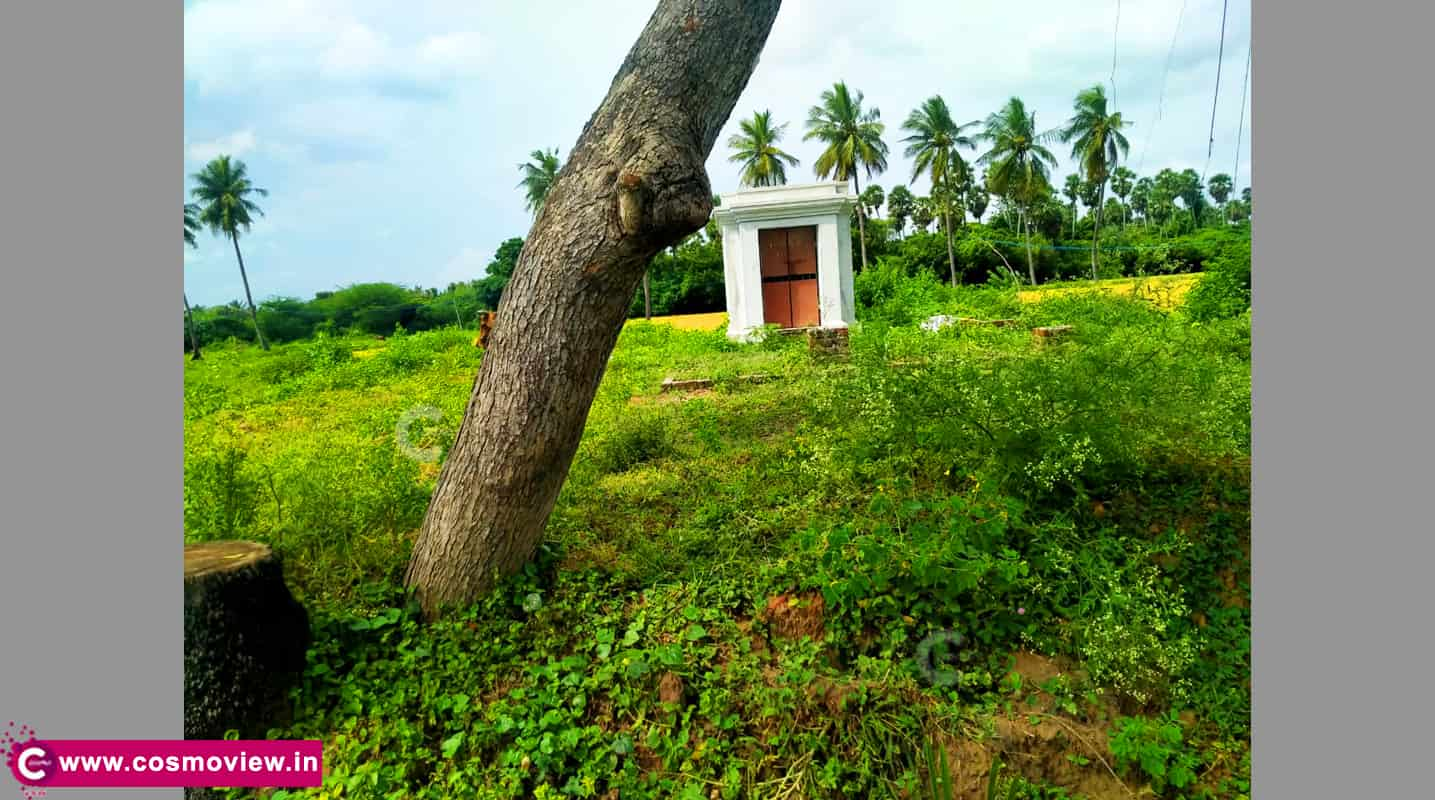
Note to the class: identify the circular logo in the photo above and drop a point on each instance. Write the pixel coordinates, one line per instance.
(425, 455)
(936, 657)
(34, 763)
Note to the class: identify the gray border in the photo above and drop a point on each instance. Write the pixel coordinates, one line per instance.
(1341, 390)
(90, 402)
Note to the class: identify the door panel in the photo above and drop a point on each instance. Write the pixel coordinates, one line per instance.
(777, 304)
(772, 249)
(802, 250)
(789, 276)
(804, 303)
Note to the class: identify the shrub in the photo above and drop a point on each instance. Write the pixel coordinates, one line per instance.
(1157, 748)
(632, 439)
(886, 293)
(220, 493)
(1225, 290)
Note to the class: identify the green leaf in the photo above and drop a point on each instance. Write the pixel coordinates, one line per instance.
(451, 745)
(630, 637)
(695, 632)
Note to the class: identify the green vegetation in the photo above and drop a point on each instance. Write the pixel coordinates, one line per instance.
(1179, 230)
(539, 173)
(225, 206)
(763, 162)
(1077, 511)
(853, 136)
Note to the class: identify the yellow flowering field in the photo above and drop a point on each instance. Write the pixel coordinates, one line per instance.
(1166, 291)
(690, 322)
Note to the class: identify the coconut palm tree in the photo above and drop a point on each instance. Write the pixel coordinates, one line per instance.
(763, 162)
(539, 173)
(1141, 199)
(977, 198)
(1096, 144)
(853, 136)
(900, 205)
(191, 227)
(223, 191)
(1071, 190)
(1122, 181)
(922, 213)
(1220, 188)
(1018, 164)
(932, 145)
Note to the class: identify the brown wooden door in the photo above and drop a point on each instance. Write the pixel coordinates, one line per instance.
(776, 296)
(789, 276)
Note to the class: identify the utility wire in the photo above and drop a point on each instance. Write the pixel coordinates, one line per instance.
(1235, 171)
(1220, 56)
(1115, 37)
(1081, 248)
(1161, 98)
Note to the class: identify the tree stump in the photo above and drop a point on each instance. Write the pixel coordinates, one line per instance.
(245, 640)
(1053, 333)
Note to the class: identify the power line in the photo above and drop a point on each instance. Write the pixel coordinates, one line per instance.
(1220, 57)
(1161, 98)
(1235, 171)
(1115, 38)
(1081, 248)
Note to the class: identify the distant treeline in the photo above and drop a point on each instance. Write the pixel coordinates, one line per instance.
(688, 279)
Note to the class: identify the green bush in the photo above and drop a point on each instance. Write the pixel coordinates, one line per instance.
(221, 493)
(1225, 289)
(887, 293)
(632, 439)
(1156, 748)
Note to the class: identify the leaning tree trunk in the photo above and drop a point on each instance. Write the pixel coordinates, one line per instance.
(1096, 234)
(634, 184)
(861, 219)
(951, 259)
(245, 639)
(253, 314)
(647, 298)
(1026, 231)
(189, 323)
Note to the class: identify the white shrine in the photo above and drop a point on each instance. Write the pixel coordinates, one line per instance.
(787, 257)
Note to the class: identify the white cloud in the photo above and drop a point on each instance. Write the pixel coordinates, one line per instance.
(368, 115)
(233, 45)
(453, 54)
(470, 264)
(235, 144)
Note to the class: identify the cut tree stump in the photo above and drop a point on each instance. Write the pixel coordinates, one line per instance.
(1052, 333)
(245, 640)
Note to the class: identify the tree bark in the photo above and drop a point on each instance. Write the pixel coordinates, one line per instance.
(647, 298)
(245, 640)
(635, 183)
(1096, 234)
(951, 259)
(253, 314)
(861, 218)
(189, 323)
(1026, 230)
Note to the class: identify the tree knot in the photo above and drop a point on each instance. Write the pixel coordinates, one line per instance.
(661, 201)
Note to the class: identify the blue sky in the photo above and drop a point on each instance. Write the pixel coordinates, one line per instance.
(389, 134)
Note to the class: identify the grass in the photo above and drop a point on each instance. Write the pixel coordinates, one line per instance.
(1078, 512)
